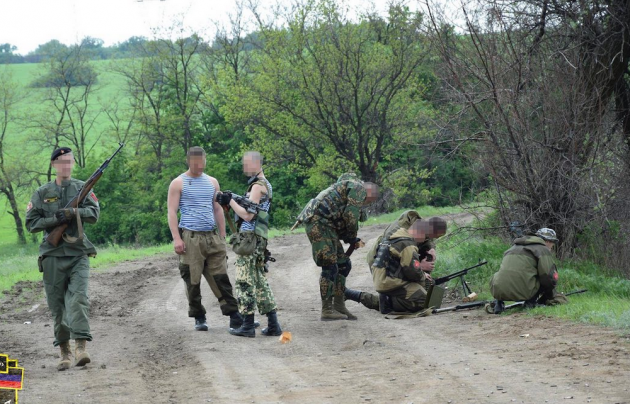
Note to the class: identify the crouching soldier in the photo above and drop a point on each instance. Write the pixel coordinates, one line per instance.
(401, 264)
(528, 272)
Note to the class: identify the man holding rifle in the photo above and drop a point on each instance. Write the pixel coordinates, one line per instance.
(252, 288)
(401, 263)
(66, 266)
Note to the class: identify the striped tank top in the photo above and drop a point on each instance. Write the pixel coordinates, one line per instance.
(196, 203)
(249, 226)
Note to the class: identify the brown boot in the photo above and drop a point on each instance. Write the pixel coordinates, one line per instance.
(328, 313)
(339, 304)
(66, 353)
(80, 354)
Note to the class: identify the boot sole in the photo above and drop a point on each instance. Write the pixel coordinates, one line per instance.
(83, 361)
(243, 335)
(63, 366)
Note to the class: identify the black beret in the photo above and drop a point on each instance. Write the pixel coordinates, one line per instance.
(58, 152)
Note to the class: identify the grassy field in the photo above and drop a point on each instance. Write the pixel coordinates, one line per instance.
(110, 86)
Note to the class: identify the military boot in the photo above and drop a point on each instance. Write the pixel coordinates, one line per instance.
(339, 304)
(80, 353)
(273, 326)
(236, 320)
(385, 303)
(354, 295)
(339, 300)
(247, 328)
(66, 353)
(499, 306)
(200, 323)
(329, 313)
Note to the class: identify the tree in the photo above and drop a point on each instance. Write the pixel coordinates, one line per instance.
(71, 111)
(330, 94)
(12, 177)
(541, 85)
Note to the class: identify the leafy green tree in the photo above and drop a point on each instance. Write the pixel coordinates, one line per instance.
(330, 95)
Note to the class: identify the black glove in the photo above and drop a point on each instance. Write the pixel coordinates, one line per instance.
(64, 216)
(224, 198)
(352, 241)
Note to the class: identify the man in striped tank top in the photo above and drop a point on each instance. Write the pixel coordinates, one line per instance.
(252, 288)
(199, 239)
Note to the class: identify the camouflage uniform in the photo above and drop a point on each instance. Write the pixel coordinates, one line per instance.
(399, 277)
(527, 272)
(66, 267)
(332, 216)
(252, 288)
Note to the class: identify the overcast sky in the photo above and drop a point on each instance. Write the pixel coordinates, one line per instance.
(29, 23)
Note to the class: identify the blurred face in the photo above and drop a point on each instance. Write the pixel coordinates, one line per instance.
(196, 164)
(372, 192)
(251, 166)
(550, 245)
(63, 165)
(419, 231)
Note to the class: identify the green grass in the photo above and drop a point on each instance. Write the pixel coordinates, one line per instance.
(110, 86)
(606, 303)
(21, 264)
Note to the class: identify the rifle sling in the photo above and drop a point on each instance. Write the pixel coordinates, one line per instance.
(71, 240)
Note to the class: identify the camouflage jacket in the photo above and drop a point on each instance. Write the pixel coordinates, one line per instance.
(40, 216)
(526, 266)
(338, 206)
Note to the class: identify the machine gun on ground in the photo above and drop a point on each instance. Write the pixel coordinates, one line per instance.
(436, 292)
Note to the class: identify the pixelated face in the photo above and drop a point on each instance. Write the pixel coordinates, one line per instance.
(63, 165)
(372, 192)
(251, 165)
(549, 244)
(419, 231)
(196, 164)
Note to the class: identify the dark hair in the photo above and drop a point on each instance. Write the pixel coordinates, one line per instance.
(437, 224)
(195, 151)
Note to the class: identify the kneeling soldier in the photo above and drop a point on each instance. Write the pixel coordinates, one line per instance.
(401, 263)
(527, 272)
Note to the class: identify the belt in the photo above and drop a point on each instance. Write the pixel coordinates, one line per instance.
(213, 231)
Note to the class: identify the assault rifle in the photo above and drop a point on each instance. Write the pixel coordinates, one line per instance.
(248, 205)
(522, 303)
(436, 292)
(56, 234)
(488, 304)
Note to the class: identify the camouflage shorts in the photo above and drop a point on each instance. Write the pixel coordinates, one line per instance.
(327, 249)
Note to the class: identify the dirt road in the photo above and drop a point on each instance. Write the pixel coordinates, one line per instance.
(145, 349)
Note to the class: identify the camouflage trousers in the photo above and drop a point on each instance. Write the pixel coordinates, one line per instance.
(408, 298)
(252, 288)
(325, 244)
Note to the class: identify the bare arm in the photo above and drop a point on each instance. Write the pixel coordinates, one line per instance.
(255, 196)
(174, 194)
(219, 218)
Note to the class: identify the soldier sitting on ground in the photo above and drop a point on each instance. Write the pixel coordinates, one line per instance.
(528, 272)
(401, 264)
